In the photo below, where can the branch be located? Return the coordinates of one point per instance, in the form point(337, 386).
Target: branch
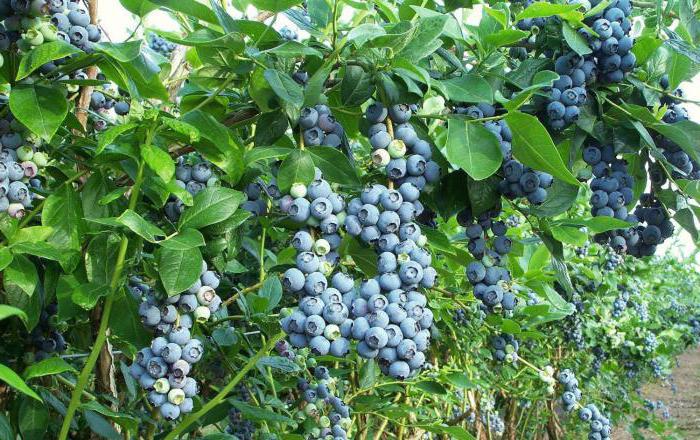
point(81, 109)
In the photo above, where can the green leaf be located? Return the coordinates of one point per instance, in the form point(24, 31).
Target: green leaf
point(285, 87)
point(190, 8)
point(364, 257)
point(356, 87)
point(575, 40)
point(274, 5)
point(505, 37)
point(278, 363)
point(595, 225)
point(560, 197)
point(272, 290)
point(47, 367)
point(159, 161)
point(110, 135)
point(100, 426)
point(425, 39)
point(211, 205)
point(12, 379)
point(7, 311)
point(40, 108)
point(544, 9)
point(369, 373)
point(334, 165)
point(140, 226)
point(569, 234)
point(43, 54)
point(314, 87)
point(264, 153)
point(22, 274)
point(5, 428)
point(276, 125)
point(294, 49)
point(297, 167)
point(122, 52)
point(684, 133)
point(5, 257)
point(179, 269)
point(33, 419)
point(256, 413)
point(473, 148)
point(100, 257)
point(533, 146)
point(64, 213)
point(359, 35)
point(184, 240)
point(125, 420)
point(467, 88)
point(87, 295)
point(183, 128)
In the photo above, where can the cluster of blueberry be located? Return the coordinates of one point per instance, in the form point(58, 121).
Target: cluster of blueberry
point(612, 184)
point(518, 179)
point(573, 330)
point(320, 127)
point(391, 302)
point(650, 342)
point(258, 193)
point(505, 348)
point(239, 426)
point(656, 368)
point(490, 417)
point(684, 166)
point(571, 395)
point(27, 24)
point(193, 174)
point(568, 93)
point(489, 274)
point(288, 34)
point(99, 102)
point(599, 425)
point(612, 45)
point(163, 368)
point(319, 397)
point(45, 338)
point(642, 310)
point(522, 181)
point(658, 226)
point(599, 356)
point(161, 45)
point(396, 146)
point(73, 23)
point(19, 166)
point(620, 303)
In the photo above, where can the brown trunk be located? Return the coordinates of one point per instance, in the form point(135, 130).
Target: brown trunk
point(83, 105)
point(554, 431)
point(511, 420)
point(481, 433)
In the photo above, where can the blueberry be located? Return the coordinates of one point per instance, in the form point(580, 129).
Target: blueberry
point(366, 351)
point(396, 168)
point(376, 112)
point(201, 172)
point(300, 210)
point(315, 283)
point(308, 117)
point(400, 113)
point(313, 136)
point(399, 370)
point(556, 110)
point(380, 140)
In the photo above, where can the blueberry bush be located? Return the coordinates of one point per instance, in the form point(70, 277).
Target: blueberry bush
point(346, 220)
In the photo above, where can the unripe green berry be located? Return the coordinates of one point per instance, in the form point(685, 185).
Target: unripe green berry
point(324, 422)
point(321, 247)
point(331, 332)
point(202, 314)
point(25, 153)
point(311, 410)
point(176, 396)
point(33, 37)
point(298, 190)
point(397, 149)
point(162, 385)
point(422, 240)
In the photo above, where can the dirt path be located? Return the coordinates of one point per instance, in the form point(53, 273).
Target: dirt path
point(684, 405)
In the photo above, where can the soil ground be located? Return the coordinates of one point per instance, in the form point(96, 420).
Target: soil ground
point(684, 405)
